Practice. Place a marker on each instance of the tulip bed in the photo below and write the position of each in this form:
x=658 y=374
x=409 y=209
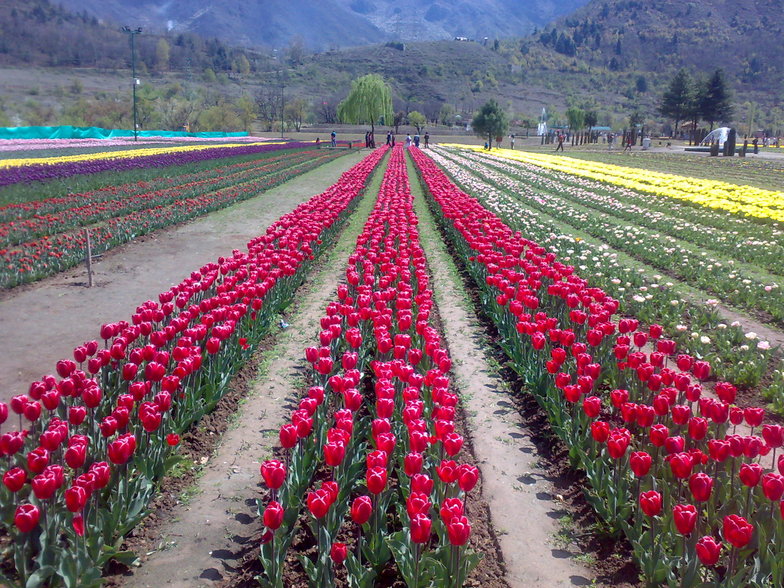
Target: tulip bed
x=742 y=285
x=63 y=242
x=378 y=423
x=93 y=440
x=13 y=171
x=54 y=215
x=739 y=357
x=664 y=460
x=733 y=198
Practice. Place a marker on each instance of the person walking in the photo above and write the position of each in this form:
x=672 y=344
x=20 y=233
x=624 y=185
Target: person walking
x=389 y=138
x=408 y=140
x=560 y=142
x=416 y=140
x=427 y=139
x=334 y=142
x=628 y=144
x=511 y=140
x=393 y=139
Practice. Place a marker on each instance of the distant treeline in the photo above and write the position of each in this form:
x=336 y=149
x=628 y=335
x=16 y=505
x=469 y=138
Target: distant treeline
x=38 y=32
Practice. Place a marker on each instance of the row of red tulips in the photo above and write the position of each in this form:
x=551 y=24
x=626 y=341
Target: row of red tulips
x=378 y=423
x=51 y=254
x=99 y=433
x=91 y=210
x=664 y=459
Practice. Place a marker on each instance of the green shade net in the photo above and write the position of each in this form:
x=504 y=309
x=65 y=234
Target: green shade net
x=69 y=132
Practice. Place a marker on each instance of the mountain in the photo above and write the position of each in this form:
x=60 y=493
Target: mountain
x=322 y=24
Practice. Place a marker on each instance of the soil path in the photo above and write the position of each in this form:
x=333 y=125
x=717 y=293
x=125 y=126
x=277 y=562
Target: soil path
x=41 y=323
x=207 y=534
x=522 y=500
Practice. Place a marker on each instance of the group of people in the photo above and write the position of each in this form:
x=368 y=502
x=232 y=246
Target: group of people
x=370 y=140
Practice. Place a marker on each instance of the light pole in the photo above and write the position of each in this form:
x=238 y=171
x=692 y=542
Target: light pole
x=133 y=33
x=282 y=87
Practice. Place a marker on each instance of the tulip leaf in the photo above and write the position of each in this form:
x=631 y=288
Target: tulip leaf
x=39 y=577
x=358 y=575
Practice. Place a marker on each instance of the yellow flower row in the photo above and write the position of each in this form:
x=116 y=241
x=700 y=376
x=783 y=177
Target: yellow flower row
x=745 y=200
x=7 y=163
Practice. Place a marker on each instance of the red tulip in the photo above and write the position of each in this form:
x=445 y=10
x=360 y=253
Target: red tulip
x=75 y=498
x=273 y=515
x=288 y=436
x=773 y=486
x=338 y=553
x=592 y=405
x=659 y=435
x=737 y=530
x=274 y=473
x=420 y=528
x=754 y=416
x=120 y=450
x=600 y=431
x=681 y=464
x=376 y=479
x=685 y=518
x=421 y=483
x=698 y=428
x=172 y=439
x=418 y=502
x=458 y=530
x=467 y=477
x=412 y=463
x=319 y=503
x=708 y=550
x=361 y=509
x=334 y=453
x=450 y=508
x=701 y=486
x=14 y=479
x=618 y=443
x=447 y=471
x=452 y=443
x=750 y=474
x=26 y=517
x=651 y=503
x=640 y=463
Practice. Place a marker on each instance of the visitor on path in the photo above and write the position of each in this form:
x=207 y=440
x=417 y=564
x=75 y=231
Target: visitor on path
x=393 y=139
x=372 y=139
x=628 y=145
x=408 y=141
x=427 y=139
x=334 y=137
x=389 y=137
x=367 y=139
x=755 y=143
x=511 y=140
x=416 y=140
x=487 y=147
x=560 y=142
x=609 y=141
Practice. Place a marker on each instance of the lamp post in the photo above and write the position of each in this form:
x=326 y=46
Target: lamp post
x=282 y=87
x=133 y=33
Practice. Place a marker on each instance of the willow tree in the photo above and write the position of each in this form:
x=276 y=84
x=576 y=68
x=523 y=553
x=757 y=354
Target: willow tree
x=491 y=122
x=369 y=102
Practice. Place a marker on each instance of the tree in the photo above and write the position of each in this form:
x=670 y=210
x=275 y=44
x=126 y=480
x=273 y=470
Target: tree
x=369 y=102
x=446 y=114
x=576 y=118
x=398 y=119
x=162 y=55
x=417 y=119
x=490 y=121
x=591 y=118
x=296 y=111
x=246 y=110
x=676 y=100
x=714 y=99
